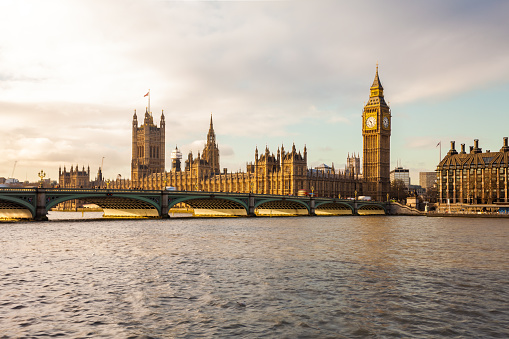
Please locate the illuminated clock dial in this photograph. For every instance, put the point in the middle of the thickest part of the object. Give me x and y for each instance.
(370, 122)
(386, 122)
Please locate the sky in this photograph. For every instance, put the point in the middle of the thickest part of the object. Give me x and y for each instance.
(271, 73)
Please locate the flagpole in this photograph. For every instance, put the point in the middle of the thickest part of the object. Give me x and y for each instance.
(149, 111)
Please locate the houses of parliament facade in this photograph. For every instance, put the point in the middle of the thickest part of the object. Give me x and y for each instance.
(283, 173)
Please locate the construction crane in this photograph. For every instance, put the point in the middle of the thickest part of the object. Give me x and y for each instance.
(13, 168)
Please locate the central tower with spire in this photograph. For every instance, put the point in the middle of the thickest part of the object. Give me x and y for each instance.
(376, 138)
(211, 150)
(147, 148)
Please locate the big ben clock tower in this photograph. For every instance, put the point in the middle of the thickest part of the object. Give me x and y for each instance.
(376, 140)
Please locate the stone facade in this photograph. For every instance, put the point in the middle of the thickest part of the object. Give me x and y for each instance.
(474, 177)
(284, 174)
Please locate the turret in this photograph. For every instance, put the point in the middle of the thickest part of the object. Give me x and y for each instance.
(176, 157)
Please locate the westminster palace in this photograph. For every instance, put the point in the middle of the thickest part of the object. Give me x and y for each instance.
(284, 172)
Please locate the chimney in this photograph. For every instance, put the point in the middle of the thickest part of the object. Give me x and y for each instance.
(462, 149)
(452, 150)
(505, 148)
(476, 146)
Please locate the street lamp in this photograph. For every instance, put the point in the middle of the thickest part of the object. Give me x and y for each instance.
(41, 175)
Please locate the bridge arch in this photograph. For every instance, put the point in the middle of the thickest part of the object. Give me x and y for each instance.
(371, 209)
(333, 208)
(113, 205)
(16, 208)
(276, 207)
(211, 205)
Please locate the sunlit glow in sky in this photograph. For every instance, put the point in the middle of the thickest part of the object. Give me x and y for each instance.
(271, 73)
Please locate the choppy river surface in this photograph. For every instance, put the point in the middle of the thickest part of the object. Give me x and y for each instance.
(307, 277)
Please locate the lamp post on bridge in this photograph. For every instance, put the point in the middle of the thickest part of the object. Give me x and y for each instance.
(41, 175)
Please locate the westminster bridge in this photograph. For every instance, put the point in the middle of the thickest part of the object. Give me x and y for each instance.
(34, 203)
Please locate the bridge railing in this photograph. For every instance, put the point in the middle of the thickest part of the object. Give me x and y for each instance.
(198, 193)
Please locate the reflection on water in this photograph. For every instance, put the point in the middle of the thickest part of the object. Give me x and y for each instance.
(256, 277)
(56, 215)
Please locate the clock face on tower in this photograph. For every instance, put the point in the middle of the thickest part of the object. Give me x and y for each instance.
(370, 122)
(385, 122)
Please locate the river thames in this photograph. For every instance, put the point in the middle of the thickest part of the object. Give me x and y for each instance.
(295, 277)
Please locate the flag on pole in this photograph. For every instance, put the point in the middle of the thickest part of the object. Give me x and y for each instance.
(147, 94)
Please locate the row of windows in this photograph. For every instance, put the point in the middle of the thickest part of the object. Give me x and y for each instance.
(473, 171)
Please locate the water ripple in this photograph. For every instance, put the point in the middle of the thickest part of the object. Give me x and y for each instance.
(345, 277)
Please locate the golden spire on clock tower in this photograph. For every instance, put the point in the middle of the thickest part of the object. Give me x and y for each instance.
(376, 89)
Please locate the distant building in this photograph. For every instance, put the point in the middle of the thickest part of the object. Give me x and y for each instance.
(427, 179)
(323, 168)
(474, 177)
(76, 178)
(417, 189)
(403, 174)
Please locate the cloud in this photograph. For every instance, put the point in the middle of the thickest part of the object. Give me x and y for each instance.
(74, 72)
